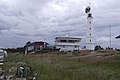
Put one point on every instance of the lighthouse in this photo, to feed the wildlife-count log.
(90, 32)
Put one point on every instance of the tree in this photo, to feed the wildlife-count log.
(108, 48)
(28, 42)
(98, 47)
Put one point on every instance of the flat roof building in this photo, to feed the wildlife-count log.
(67, 43)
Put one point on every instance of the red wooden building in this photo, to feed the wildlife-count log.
(35, 46)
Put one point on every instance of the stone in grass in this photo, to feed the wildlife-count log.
(20, 79)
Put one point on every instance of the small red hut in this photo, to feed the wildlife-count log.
(35, 46)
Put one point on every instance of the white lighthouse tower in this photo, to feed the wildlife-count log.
(90, 31)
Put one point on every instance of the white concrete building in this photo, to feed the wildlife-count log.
(67, 43)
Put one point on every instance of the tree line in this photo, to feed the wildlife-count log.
(98, 47)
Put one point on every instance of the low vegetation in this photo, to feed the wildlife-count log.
(62, 66)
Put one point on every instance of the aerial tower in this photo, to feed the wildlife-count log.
(90, 31)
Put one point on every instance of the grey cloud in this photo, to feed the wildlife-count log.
(39, 34)
(50, 18)
(22, 34)
(4, 25)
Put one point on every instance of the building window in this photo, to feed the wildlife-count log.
(90, 34)
(37, 47)
(30, 48)
(75, 46)
(73, 41)
(90, 40)
(90, 28)
(64, 46)
(77, 40)
(70, 41)
(58, 41)
(62, 40)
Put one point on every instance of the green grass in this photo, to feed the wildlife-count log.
(57, 67)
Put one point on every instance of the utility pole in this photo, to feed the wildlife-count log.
(110, 36)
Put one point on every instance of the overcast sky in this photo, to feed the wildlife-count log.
(38, 20)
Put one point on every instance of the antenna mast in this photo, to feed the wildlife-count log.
(110, 35)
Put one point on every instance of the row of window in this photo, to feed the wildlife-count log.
(69, 41)
(76, 46)
(35, 47)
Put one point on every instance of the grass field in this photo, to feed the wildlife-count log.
(53, 66)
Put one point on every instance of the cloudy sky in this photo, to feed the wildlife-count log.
(38, 20)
